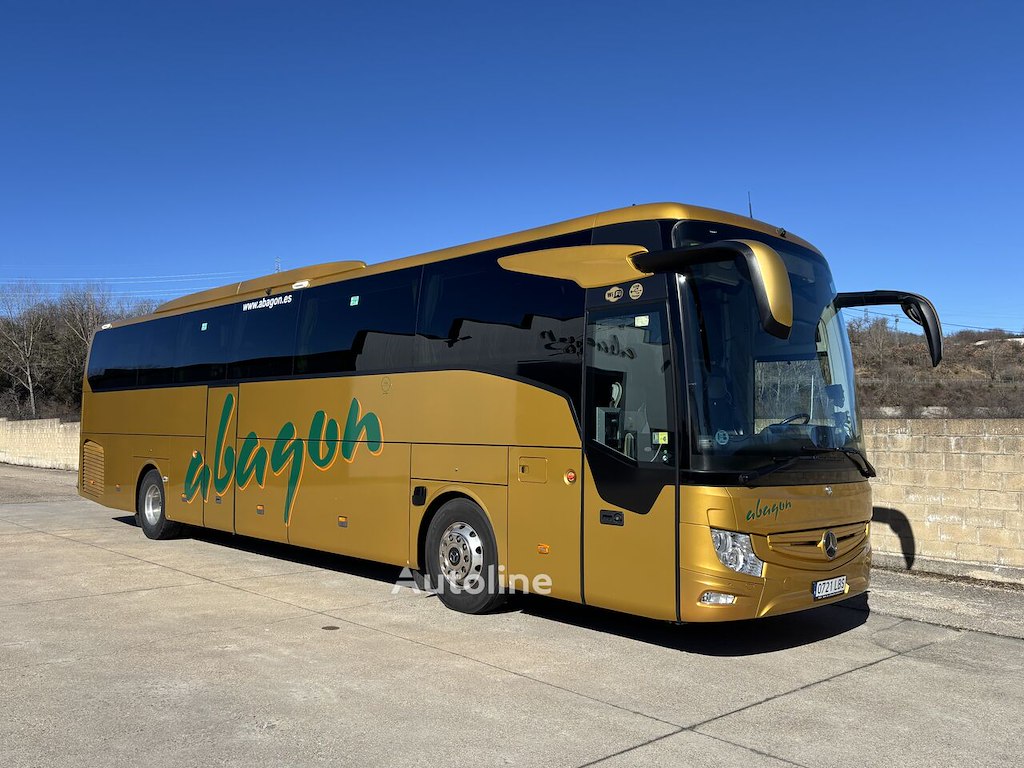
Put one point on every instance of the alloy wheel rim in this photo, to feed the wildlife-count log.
(152, 505)
(461, 554)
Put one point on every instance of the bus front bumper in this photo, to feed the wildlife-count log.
(780, 590)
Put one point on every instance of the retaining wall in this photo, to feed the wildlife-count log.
(949, 496)
(48, 443)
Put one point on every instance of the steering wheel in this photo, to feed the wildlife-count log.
(792, 419)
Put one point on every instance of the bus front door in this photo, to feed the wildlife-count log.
(630, 475)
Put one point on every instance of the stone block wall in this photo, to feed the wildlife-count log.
(48, 443)
(949, 496)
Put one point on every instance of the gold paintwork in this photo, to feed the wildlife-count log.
(630, 568)
(506, 445)
(544, 536)
(785, 586)
(279, 282)
(589, 266)
(778, 289)
(460, 463)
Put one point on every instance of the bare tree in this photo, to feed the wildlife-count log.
(22, 338)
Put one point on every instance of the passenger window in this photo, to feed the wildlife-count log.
(156, 358)
(367, 324)
(113, 359)
(204, 341)
(475, 315)
(264, 342)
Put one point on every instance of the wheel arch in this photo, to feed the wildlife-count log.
(432, 508)
(146, 467)
(448, 493)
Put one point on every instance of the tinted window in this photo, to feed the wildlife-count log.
(358, 325)
(114, 357)
(645, 233)
(134, 355)
(156, 357)
(476, 315)
(204, 340)
(264, 340)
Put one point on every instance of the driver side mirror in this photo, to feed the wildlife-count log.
(768, 274)
(914, 306)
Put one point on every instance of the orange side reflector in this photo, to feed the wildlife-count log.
(543, 549)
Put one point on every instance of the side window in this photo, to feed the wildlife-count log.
(204, 341)
(476, 315)
(156, 358)
(629, 380)
(113, 360)
(264, 340)
(133, 355)
(364, 324)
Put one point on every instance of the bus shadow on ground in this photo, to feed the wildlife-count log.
(291, 553)
(729, 639)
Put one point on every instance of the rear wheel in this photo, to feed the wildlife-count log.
(150, 508)
(462, 558)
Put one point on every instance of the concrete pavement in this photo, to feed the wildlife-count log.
(217, 650)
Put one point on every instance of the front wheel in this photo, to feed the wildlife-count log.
(462, 558)
(150, 508)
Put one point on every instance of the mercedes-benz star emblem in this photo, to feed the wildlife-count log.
(830, 545)
(828, 490)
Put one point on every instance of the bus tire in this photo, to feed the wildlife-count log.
(466, 579)
(150, 508)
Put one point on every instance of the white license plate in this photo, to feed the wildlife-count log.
(828, 587)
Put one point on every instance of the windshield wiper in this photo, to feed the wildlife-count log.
(857, 457)
(807, 452)
(775, 466)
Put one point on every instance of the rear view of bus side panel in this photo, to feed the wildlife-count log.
(125, 432)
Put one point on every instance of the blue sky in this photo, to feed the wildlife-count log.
(155, 139)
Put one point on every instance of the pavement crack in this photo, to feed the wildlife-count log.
(635, 747)
(96, 594)
(798, 689)
(753, 750)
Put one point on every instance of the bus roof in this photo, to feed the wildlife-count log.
(342, 270)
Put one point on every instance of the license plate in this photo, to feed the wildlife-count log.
(828, 587)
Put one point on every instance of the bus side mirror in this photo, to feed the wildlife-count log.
(768, 275)
(914, 306)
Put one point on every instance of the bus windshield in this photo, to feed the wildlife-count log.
(756, 398)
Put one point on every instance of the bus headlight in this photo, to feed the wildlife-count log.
(736, 552)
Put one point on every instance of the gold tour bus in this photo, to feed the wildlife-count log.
(650, 410)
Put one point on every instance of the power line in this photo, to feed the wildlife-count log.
(128, 280)
(197, 289)
(944, 324)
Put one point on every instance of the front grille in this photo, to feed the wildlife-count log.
(803, 549)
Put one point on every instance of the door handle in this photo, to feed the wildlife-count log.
(608, 517)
